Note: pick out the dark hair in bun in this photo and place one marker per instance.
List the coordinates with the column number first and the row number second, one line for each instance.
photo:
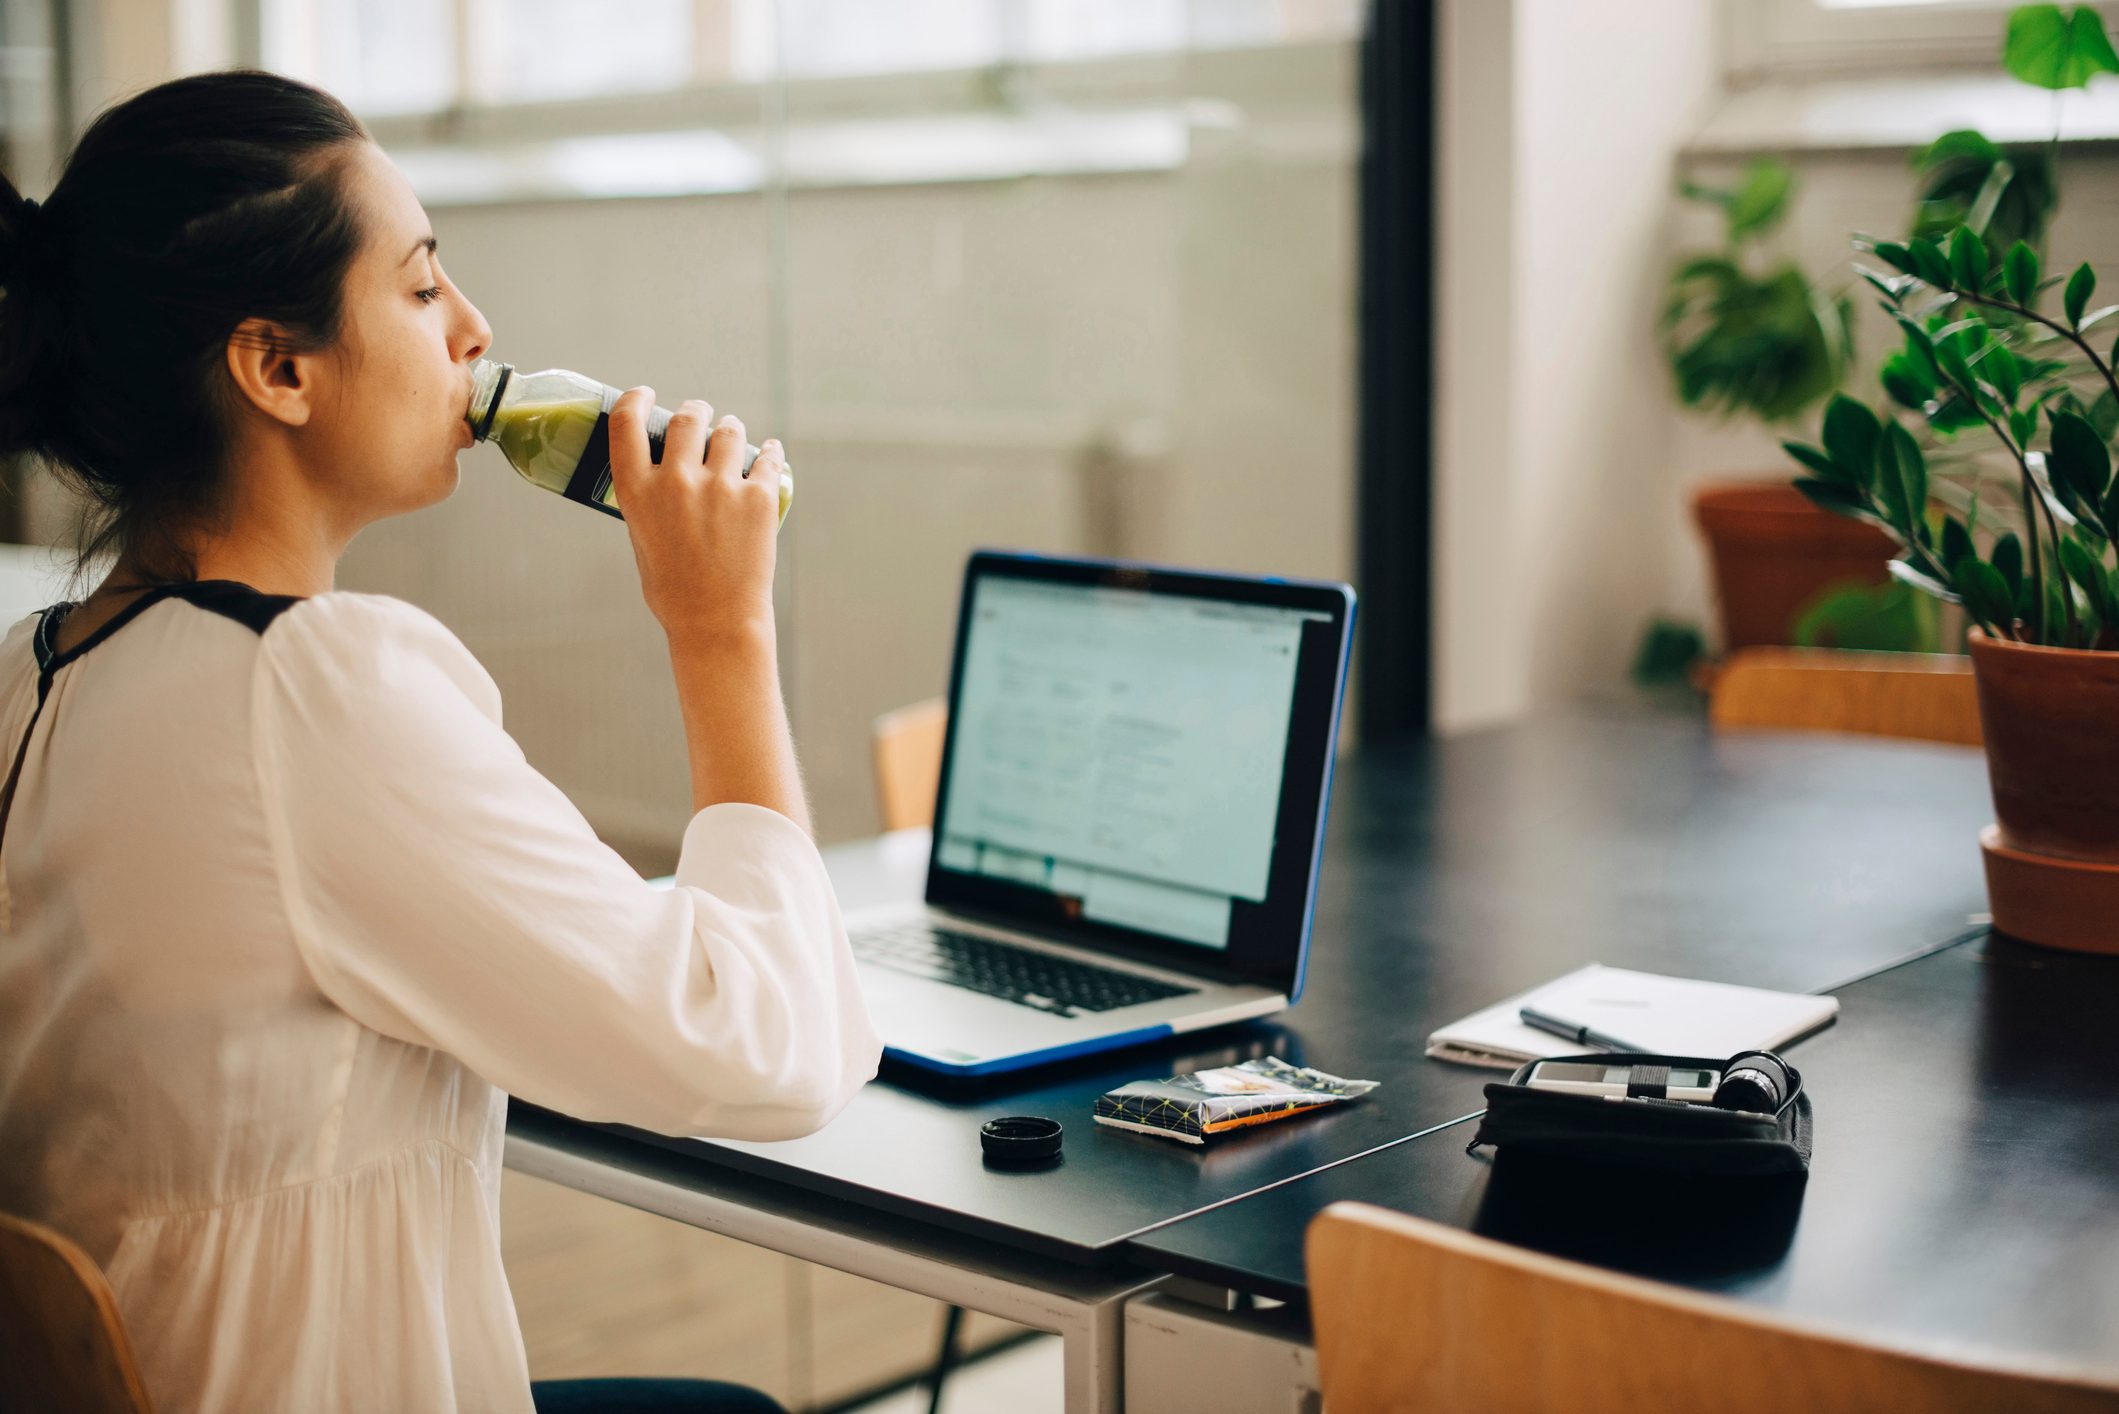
column 181, row 213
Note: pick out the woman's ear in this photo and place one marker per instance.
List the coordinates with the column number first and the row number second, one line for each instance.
column 272, row 378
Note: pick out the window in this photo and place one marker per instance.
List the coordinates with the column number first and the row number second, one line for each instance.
column 389, row 57
column 1790, row 38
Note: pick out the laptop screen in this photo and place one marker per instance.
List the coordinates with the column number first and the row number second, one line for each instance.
column 1120, row 757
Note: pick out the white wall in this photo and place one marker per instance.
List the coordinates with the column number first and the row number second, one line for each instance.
column 1610, row 92
column 1560, row 123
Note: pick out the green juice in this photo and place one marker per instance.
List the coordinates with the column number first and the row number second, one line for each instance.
column 554, row 429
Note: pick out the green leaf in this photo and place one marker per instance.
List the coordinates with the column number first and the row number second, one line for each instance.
column 2080, row 286
column 1956, row 543
column 1968, row 258
column 1957, row 145
column 1920, row 346
column 1999, row 368
column 2099, row 315
column 1907, row 380
column 1952, row 359
column 2023, row 425
column 1928, row 263
column 2087, row 571
column 1669, row 648
column 2104, row 415
column 1770, row 346
column 2053, row 50
column 1890, row 488
column 1850, row 432
column 1912, row 575
column 2019, row 273
column 1952, row 414
column 2111, row 507
column 1889, row 289
column 2007, row 559
column 2006, row 195
column 2054, row 629
column 1986, row 594
column 1826, row 468
column 1833, row 496
column 1871, row 618
column 2082, row 566
column 1912, row 470
column 2092, row 621
column 1761, row 199
column 1895, row 255
column 2078, row 464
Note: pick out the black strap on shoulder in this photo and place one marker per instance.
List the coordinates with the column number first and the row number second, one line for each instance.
column 233, row 600
column 50, row 659
column 226, row 597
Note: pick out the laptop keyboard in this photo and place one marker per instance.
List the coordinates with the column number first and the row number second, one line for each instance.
column 1024, row 976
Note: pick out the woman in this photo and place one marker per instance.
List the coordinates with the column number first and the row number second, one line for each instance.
column 283, row 911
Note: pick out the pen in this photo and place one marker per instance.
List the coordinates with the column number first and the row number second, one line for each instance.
column 1581, row 1035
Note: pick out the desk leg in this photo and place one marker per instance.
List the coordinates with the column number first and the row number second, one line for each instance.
column 1084, row 1306
column 1184, row 1355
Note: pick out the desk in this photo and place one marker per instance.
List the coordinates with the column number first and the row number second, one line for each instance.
column 1963, row 1193
column 1456, row 872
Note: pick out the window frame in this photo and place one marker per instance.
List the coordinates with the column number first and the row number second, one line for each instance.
column 1780, row 40
column 476, row 114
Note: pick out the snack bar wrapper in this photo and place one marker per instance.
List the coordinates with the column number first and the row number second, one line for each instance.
column 1191, row 1107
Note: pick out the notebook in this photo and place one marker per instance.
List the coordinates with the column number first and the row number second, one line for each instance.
column 1664, row 1015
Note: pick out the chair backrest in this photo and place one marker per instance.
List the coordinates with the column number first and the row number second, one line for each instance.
column 62, row 1345
column 1412, row 1315
column 1927, row 696
column 908, row 752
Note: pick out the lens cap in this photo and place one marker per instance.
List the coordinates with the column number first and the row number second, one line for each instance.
column 1753, row 1081
column 1020, row 1139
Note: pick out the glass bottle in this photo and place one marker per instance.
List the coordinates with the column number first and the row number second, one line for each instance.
column 554, row 428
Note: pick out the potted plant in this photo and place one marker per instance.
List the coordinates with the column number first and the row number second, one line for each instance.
column 1745, row 336
column 2022, row 533
column 2028, row 552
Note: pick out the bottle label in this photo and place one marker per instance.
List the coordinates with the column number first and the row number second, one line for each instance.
column 591, row 482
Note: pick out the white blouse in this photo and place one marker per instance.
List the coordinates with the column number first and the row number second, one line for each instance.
column 283, row 913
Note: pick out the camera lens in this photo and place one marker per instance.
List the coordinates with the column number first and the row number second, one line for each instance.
column 1755, row 1082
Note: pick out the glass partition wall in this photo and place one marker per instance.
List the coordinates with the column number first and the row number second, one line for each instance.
column 1062, row 275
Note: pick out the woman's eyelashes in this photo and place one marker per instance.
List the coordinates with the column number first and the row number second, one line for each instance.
column 429, row 295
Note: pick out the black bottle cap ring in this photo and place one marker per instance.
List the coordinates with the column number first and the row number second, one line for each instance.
column 1020, row 1139
column 485, row 424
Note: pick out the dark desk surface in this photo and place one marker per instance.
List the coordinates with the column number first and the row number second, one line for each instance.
column 1457, row 873
column 1964, row 1188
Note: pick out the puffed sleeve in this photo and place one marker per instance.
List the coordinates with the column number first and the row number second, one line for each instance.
column 445, row 893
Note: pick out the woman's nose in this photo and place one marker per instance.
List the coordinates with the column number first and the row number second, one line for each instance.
column 475, row 337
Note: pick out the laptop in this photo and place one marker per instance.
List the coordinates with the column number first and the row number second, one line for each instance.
column 1129, row 818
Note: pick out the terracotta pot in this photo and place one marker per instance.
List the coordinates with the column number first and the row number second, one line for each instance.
column 2051, row 719
column 1773, row 552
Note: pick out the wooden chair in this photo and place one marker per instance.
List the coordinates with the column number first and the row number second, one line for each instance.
column 62, row 1345
column 908, row 753
column 1411, row 1315
column 1929, row 697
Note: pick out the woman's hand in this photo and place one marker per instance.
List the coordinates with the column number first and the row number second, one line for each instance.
column 704, row 535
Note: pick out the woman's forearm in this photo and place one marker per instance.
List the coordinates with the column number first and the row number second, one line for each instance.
column 735, row 722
